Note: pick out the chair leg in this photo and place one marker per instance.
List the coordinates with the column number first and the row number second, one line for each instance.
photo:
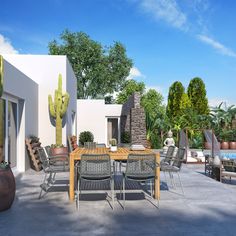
column 123, row 192
column 153, row 182
column 77, row 194
column 112, row 191
column 42, row 186
column 50, row 179
column 180, row 183
column 171, row 179
column 54, row 178
column 151, row 188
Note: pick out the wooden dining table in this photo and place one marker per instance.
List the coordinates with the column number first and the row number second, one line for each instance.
column 120, row 154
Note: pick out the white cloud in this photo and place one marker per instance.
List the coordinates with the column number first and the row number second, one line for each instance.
column 134, row 72
column 216, row 45
column 6, row 47
column 215, row 102
column 166, row 10
column 171, row 12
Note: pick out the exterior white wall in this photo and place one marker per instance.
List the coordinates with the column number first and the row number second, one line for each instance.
column 71, row 87
column 44, row 70
column 92, row 116
column 19, row 86
column 30, row 79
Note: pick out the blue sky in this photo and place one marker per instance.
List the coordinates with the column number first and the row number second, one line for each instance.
column 168, row 40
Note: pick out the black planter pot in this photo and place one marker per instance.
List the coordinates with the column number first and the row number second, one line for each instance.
column 7, row 188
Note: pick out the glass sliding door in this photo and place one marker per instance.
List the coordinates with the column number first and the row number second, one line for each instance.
column 2, row 128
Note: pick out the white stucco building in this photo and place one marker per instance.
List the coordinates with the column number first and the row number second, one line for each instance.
column 28, row 80
column 103, row 120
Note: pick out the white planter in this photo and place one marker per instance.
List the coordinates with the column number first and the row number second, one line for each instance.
column 113, row 148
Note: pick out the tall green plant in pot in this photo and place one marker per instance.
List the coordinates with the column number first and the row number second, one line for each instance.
column 58, row 108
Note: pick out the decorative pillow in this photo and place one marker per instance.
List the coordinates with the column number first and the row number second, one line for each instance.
column 216, row 161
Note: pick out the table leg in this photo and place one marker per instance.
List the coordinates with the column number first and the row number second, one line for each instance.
column 157, row 180
column 72, row 174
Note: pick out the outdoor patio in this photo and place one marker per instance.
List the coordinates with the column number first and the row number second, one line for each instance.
column 208, row 208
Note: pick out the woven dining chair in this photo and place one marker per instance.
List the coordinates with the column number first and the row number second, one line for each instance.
column 169, row 156
column 95, row 168
column 175, row 166
column 140, row 168
column 90, row 145
column 50, row 169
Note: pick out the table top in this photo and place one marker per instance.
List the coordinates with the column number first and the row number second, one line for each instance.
column 120, row 154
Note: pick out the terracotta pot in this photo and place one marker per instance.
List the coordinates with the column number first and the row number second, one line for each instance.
column 74, row 146
column 7, row 188
column 232, row 145
column 209, row 146
column 61, row 151
column 73, row 139
column 224, row 145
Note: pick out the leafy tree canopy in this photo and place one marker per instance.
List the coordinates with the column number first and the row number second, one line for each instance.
column 129, row 87
column 99, row 70
column 185, row 102
column 152, row 103
column 175, row 103
column 197, row 96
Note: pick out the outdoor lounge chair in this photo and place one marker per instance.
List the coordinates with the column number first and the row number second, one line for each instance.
column 208, row 165
column 95, row 168
column 140, row 168
column 228, row 169
column 51, row 166
column 175, row 166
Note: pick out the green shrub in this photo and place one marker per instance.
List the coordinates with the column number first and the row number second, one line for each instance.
column 125, row 137
column 85, row 136
column 155, row 141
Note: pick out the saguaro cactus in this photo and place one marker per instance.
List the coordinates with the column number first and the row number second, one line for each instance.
column 58, row 109
column 1, row 75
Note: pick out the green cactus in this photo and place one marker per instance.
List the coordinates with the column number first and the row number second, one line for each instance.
column 113, row 142
column 1, row 75
column 58, row 109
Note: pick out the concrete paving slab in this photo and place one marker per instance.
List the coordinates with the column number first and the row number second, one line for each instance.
column 208, row 208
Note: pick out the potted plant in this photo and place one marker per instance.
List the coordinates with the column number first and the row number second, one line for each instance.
column 7, row 186
column 113, row 145
column 57, row 110
column 85, row 136
column 224, row 137
column 125, row 138
column 232, row 143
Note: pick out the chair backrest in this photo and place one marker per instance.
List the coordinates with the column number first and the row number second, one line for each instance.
column 95, row 165
column 43, row 158
column 48, row 150
column 90, row 145
column 70, row 149
column 179, row 158
column 169, row 154
column 101, row 145
column 141, row 165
